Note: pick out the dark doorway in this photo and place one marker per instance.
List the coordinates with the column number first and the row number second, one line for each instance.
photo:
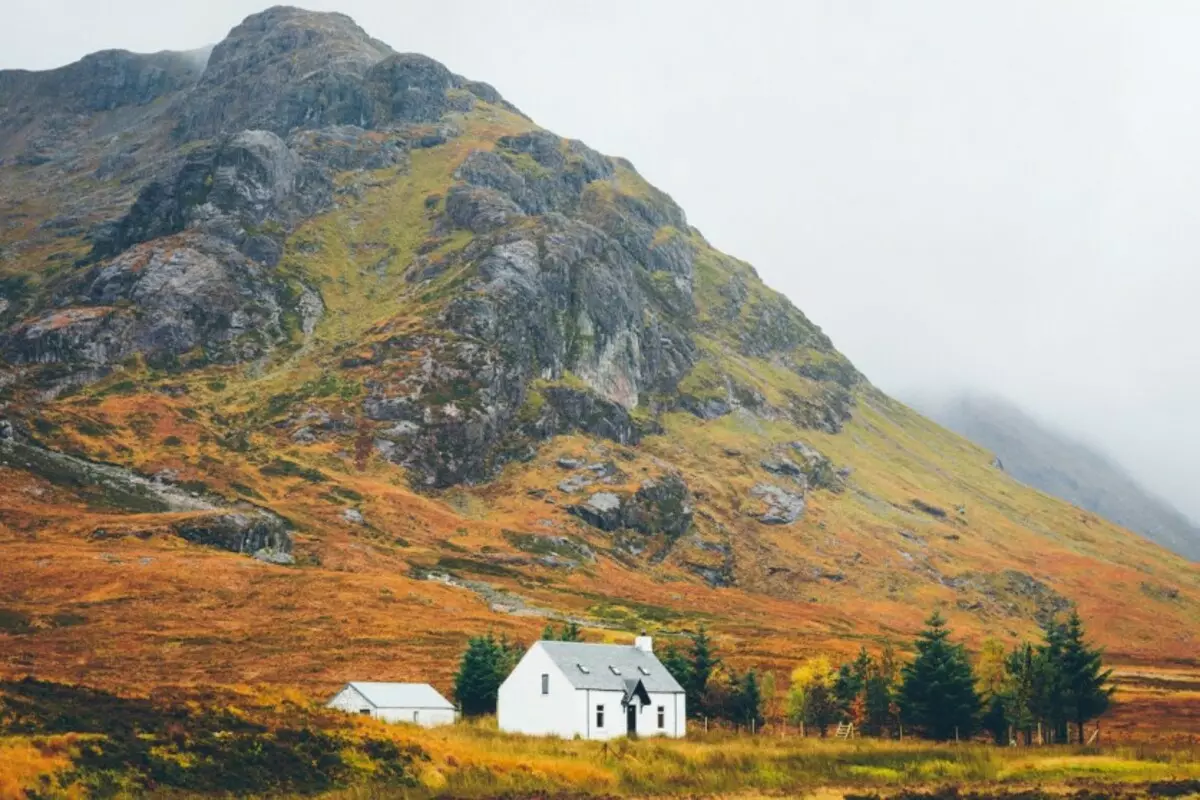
column 631, row 720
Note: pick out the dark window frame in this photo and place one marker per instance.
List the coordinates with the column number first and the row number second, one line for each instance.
column 662, row 717
column 600, row 716
column 545, row 683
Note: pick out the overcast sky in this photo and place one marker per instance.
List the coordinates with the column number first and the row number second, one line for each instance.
column 1000, row 195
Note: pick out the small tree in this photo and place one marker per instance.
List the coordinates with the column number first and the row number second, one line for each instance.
column 810, row 697
column 877, row 699
column 851, row 681
column 938, row 693
column 770, row 697
column 569, row 632
column 1021, row 691
column 1084, row 679
column 747, row 705
column 483, row 667
column 992, row 681
column 680, row 668
column 704, row 661
column 1050, row 691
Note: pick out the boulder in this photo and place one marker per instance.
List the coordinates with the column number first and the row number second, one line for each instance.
column 602, row 510
column 783, row 507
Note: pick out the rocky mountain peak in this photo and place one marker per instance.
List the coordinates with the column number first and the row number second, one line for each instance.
column 287, row 68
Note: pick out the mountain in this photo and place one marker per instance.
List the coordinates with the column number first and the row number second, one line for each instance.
column 1058, row 465
column 318, row 356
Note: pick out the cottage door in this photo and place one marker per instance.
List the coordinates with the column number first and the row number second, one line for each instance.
column 631, row 719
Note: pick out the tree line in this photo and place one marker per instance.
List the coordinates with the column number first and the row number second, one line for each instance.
column 1045, row 689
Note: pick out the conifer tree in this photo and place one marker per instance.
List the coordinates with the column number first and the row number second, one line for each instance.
column 1082, row 676
column 748, row 701
column 1050, row 695
column 484, row 666
column 704, row 661
column 938, row 693
column 877, row 698
column 1022, row 691
column 680, row 668
column 852, row 680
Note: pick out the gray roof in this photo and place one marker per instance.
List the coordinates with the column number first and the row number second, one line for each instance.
column 401, row 695
column 599, row 659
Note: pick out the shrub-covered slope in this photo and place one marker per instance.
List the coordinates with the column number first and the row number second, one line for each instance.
column 441, row 370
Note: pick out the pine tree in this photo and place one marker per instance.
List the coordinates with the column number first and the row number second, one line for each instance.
column 570, row 632
column 748, row 701
column 1050, row 695
column 852, row 680
column 992, row 685
column 680, row 668
column 483, row 667
column 1022, row 691
column 877, row 697
column 1083, row 678
column 938, row 693
column 820, row 707
column 704, row 661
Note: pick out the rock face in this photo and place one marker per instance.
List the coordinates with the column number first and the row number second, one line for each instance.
column 663, row 506
column 260, row 534
column 161, row 299
column 286, row 68
column 248, row 189
column 558, row 291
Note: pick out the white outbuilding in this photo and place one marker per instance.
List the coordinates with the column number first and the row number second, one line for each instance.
column 418, row 703
column 594, row 691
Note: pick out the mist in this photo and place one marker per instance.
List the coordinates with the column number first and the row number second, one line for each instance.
column 992, row 197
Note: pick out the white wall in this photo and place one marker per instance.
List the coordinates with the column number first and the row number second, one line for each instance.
column 522, row 708
column 425, row 717
column 569, row 712
column 352, row 701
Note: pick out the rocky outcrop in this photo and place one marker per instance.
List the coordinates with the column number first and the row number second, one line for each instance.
column 662, row 506
column 259, row 533
column 782, row 507
column 102, row 81
column 249, row 189
column 162, row 299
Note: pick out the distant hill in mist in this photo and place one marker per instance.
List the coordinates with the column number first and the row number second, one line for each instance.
column 1061, row 466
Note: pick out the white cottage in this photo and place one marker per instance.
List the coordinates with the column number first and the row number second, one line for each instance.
column 396, row 702
column 595, row 691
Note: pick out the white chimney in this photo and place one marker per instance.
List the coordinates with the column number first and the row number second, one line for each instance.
column 644, row 643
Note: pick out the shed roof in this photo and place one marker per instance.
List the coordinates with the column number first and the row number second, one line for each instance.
column 608, row 666
column 401, row 695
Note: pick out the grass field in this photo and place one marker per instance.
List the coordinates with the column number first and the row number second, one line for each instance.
column 74, row 742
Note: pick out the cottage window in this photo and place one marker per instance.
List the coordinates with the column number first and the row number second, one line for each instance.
column 599, row 716
column 662, row 717
column 643, row 670
column 366, row 711
column 584, row 669
column 417, row 717
column 545, row 683
column 615, row 671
